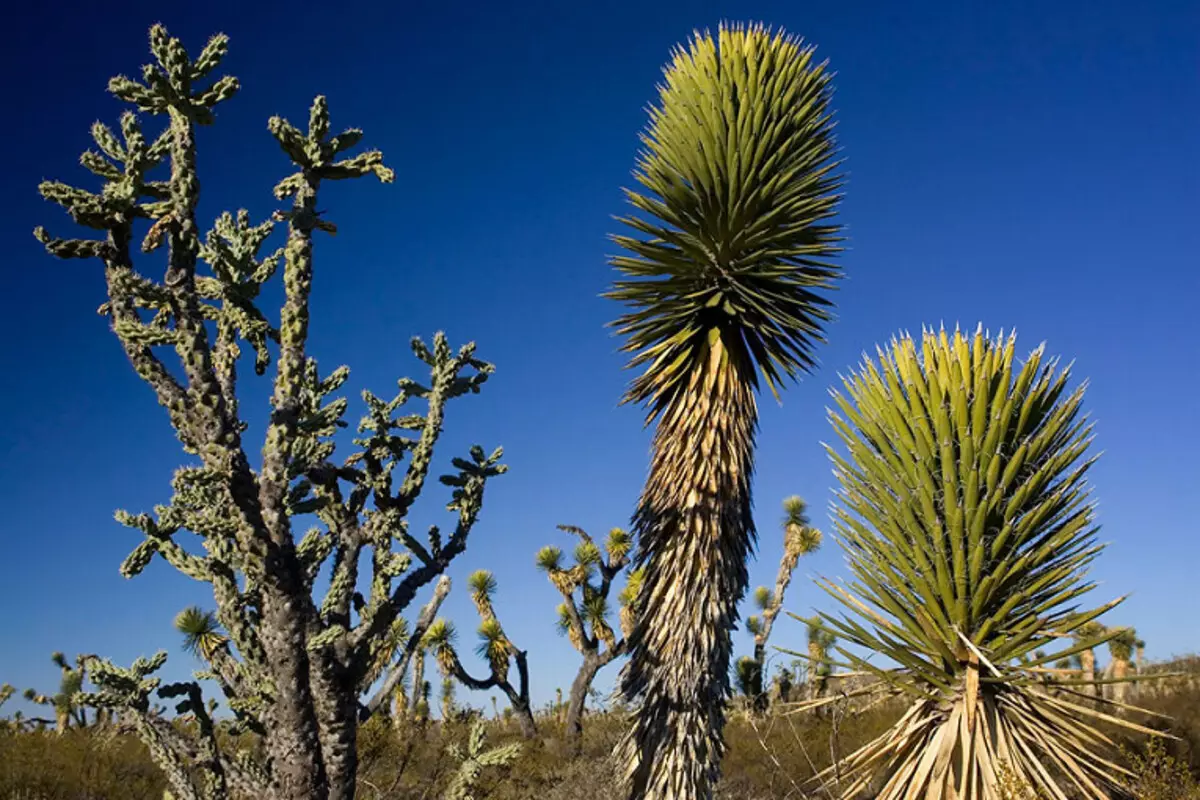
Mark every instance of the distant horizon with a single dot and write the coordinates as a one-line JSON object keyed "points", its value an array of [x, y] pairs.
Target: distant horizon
{"points": [[1028, 168]]}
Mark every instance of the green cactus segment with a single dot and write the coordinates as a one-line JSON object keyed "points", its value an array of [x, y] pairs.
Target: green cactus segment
{"points": [[266, 629]]}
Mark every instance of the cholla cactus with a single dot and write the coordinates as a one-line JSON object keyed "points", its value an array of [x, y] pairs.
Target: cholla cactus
{"points": [[583, 614], [299, 662], [800, 538], [475, 759], [495, 648]]}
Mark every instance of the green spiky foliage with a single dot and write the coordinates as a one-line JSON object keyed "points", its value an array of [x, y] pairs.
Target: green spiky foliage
{"points": [[747, 679], [583, 616], [726, 270], [202, 634], [474, 759], [299, 661], [781, 684], [800, 538], [494, 648], [965, 517]]}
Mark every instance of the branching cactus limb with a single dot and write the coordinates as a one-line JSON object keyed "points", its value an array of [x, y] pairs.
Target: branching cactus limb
{"points": [[296, 664], [494, 647], [583, 614], [474, 759], [800, 538], [395, 676]]}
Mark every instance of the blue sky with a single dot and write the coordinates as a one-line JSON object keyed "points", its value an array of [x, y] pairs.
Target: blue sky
{"points": [[1024, 165]]}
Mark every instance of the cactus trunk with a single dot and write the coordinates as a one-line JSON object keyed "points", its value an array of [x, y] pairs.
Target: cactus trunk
{"points": [[695, 531]]}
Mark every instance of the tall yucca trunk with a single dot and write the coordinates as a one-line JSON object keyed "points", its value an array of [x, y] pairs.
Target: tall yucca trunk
{"points": [[1120, 671], [695, 529], [1087, 660], [815, 679]]}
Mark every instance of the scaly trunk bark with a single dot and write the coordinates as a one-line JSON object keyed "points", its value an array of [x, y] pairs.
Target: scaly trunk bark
{"points": [[292, 742], [336, 701], [520, 698], [577, 700], [525, 722], [418, 686], [1087, 660], [758, 700], [695, 531], [1120, 669], [815, 684]]}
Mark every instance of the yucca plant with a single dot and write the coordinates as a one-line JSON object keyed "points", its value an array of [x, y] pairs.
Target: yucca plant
{"points": [[1120, 647], [800, 538], [1090, 631], [726, 270], [965, 516], [69, 711], [494, 647], [583, 614]]}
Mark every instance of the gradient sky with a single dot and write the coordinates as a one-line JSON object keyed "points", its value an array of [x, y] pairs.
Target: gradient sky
{"points": [[1027, 165]]}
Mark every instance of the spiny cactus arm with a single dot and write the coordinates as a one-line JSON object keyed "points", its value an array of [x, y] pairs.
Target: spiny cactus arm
{"points": [[312, 155], [396, 675], [475, 759], [127, 691], [208, 760], [467, 500], [231, 249], [451, 375], [114, 212], [169, 90]]}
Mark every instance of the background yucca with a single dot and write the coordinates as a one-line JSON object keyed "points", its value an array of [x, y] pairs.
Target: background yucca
{"points": [[965, 516]]}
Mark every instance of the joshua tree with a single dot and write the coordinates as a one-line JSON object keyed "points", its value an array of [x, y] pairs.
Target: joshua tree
{"points": [[1090, 631], [747, 681], [965, 518], [800, 538], [820, 641], [68, 710], [448, 707], [727, 270], [494, 647], [402, 648], [584, 620], [301, 660], [1120, 647]]}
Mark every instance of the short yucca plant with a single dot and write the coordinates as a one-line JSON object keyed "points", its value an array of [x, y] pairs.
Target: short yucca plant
{"points": [[964, 512]]}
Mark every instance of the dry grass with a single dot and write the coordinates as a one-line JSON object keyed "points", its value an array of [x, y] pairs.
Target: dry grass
{"points": [[769, 759]]}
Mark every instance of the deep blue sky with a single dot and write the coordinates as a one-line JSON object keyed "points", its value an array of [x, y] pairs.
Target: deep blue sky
{"points": [[1027, 165]]}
